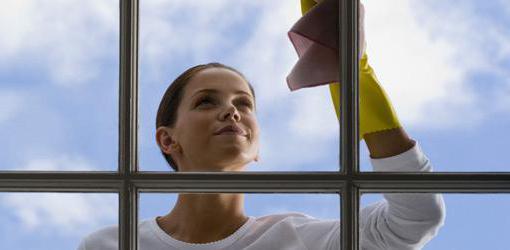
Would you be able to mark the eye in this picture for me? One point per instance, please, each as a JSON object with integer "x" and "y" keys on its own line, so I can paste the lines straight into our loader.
{"x": 204, "y": 100}
{"x": 247, "y": 103}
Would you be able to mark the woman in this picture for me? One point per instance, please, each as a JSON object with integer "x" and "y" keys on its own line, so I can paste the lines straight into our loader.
{"x": 207, "y": 121}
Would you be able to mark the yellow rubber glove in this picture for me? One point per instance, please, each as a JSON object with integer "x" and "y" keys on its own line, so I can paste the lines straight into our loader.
{"x": 306, "y": 5}
{"x": 375, "y": 109}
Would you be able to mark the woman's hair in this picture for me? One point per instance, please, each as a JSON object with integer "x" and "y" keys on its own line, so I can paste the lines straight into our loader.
{"x": 167, "y": 111}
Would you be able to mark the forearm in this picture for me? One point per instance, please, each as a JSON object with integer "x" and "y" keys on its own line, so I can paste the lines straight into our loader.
{"x": 403, "y": 220}
{"x": 388, "y": 143}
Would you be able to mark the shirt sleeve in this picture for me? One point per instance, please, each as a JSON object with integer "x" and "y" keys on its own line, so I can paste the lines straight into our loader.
{"x": 402, "y": 220}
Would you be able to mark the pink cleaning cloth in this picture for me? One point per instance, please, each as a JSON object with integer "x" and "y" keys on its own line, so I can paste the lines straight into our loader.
{"x": 315, "y": 38}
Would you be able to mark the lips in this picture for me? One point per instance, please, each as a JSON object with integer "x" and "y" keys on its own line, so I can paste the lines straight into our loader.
{"x": 231, "y": 128}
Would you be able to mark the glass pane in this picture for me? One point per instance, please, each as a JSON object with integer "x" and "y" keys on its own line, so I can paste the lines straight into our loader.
{"x": 267, "y": 221}
{"x": 472, "y": 221}
{"x": 47, "y": 221}
{"x": 298, "y": 130}
{"x": 59, "y": 85}
{"x": 444, "y": 65}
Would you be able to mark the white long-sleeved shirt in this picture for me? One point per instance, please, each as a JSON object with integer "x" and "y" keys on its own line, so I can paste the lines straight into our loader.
{"x": 398, "y": 222}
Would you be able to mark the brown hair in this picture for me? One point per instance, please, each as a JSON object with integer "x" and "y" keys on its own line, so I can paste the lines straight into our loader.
{"x": 167, "y": 111}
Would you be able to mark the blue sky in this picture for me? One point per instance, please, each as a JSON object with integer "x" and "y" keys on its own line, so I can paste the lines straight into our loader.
{"x": 444, "y": 65}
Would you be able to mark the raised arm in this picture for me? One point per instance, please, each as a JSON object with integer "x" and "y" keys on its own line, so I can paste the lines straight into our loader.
{"x": 400, "y": 221}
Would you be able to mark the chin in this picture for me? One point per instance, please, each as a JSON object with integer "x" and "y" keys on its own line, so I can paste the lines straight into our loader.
{"x": 238, "y": 163}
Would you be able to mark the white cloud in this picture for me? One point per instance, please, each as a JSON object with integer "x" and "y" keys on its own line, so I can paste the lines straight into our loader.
{"x": 424, "y": 56}
{"x": 304, "y": 132}
{"x": 171, "y": 30}
{"x": 314, "y": 116}
{"x": 68, "y": 39}
{"x": 268, "y": 56}
{"x": 65, "y": 213}
{"x": 265, "y": 57}
{"x": 59, "y": 163}
{"x": 68, "y": 214}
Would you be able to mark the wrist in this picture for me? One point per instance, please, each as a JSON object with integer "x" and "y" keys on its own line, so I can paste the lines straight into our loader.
{"x": 387, "y": 143}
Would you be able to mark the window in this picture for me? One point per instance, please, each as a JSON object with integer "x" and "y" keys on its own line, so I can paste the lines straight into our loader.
{"x": 128, "y": 182}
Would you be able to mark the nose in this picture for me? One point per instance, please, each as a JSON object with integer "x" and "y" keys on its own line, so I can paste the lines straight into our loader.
{"x": 230, "y": 113}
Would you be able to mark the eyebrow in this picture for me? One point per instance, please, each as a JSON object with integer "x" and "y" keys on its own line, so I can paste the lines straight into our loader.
{"x": 216, "y": 91}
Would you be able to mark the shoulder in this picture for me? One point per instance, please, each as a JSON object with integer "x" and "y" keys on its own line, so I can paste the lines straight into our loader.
{"x": 282, "y": 216}
{"x": 298, "y": 216}
{"x": 299, "y": 221}
{"x": 105, "y": 238}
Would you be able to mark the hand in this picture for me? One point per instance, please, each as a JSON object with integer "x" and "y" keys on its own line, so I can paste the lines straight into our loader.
{"x": 362, "y": 44}
{"x": 376, "y": 111}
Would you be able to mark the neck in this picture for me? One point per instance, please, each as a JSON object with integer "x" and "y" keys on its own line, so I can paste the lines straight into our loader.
{"x": 202, "y": 218}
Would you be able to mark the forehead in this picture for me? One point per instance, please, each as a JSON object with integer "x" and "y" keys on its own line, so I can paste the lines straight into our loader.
{"x": 219, "y": 79}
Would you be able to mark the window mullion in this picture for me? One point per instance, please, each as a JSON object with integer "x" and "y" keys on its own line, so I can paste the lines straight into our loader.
{"x": 349, "y": 113}
{"x": 128, "y": 120}
{"x": 350, "y": 214}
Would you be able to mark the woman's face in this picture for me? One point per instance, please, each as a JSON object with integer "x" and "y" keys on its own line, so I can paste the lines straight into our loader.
{"x": 212, "y": 99}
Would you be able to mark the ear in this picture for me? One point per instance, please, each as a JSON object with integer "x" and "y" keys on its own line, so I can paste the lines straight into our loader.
{"x": 164, "y": 139}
